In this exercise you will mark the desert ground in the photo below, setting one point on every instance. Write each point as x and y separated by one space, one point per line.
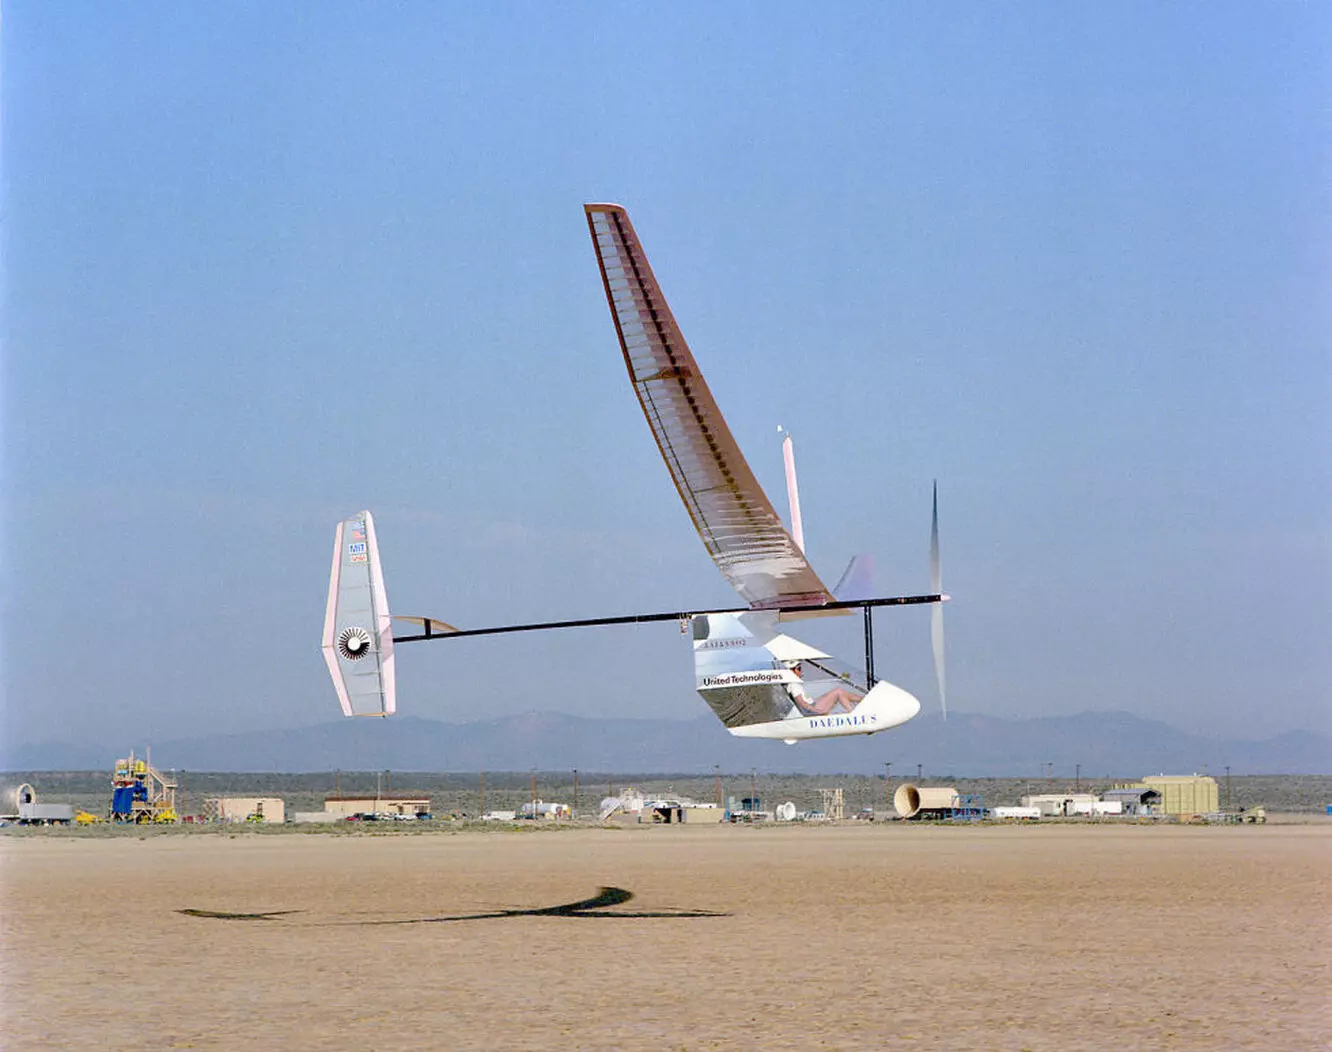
858 936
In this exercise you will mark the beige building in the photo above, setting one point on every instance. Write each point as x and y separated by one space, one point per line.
377 805
244 809
1185 794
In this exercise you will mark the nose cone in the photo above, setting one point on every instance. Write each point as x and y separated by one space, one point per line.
893 705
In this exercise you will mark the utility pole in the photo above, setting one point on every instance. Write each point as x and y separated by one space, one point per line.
575 806
919 776
1049 773
716 770
483 794
887 792
1077 777
534 797
753 792
1227 787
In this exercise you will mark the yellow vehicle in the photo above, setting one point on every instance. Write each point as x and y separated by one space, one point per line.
83 818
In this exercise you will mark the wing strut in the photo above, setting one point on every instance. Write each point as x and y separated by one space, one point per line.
869 646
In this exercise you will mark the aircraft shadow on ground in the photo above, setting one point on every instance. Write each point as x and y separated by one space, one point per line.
218 915
596 908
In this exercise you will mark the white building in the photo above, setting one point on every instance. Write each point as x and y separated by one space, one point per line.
542 809
1061 805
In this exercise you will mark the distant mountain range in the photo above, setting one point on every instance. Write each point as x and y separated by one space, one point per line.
1103 743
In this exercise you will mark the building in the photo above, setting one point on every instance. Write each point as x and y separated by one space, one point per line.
668 810
632 805
1185 794
542 809
1062 805
1134 799
267 809
346 806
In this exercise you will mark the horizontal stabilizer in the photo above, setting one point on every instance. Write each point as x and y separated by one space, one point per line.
358 629
428 625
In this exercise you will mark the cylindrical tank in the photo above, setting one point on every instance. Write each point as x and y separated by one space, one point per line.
910 800
15 796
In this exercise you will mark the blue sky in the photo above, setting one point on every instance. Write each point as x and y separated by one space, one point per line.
264 267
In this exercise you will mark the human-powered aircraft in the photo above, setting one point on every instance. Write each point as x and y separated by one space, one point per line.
760 681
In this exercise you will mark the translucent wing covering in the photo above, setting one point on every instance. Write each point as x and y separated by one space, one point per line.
750 674
358 630
733 516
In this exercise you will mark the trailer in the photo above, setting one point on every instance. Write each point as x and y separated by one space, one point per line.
36 814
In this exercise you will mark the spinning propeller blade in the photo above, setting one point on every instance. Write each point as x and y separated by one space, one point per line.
936 615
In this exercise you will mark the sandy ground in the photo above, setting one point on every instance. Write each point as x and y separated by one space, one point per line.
857 937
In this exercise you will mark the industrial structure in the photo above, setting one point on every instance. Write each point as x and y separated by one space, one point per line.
141 793
925 801
834 804
749 809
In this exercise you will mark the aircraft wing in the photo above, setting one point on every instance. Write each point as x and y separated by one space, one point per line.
741 531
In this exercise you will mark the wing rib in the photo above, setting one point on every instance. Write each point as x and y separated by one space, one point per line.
733 516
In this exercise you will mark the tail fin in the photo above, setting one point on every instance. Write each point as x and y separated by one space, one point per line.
358 631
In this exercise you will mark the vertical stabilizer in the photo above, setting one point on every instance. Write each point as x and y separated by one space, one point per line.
358 632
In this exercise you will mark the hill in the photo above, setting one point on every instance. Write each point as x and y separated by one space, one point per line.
1103 743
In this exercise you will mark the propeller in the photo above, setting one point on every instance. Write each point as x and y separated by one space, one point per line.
936 613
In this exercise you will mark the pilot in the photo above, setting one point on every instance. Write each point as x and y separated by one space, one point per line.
824 703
